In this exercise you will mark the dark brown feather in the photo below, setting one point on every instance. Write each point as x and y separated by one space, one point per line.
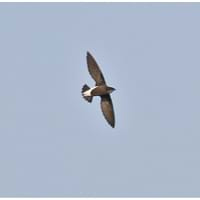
94 70
107 109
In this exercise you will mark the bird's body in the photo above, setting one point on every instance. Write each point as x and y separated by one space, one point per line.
98 91
101 89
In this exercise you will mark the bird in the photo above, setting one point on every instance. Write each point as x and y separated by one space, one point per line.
100 89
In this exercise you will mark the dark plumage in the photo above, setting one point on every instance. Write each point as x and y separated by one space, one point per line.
101 89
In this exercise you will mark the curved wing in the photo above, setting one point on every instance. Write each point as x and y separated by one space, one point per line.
107 109
94 70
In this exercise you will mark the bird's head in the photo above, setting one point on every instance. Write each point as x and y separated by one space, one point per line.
111 89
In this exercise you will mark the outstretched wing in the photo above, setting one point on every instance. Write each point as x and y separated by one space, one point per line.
107 109
94 70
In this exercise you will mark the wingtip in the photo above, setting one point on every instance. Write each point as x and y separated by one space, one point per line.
88 54
112 124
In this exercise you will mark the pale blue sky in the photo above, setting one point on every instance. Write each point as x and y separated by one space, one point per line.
53 143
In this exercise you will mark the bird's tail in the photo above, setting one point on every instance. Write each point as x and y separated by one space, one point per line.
84 89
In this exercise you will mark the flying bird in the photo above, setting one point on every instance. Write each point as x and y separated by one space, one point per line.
101 89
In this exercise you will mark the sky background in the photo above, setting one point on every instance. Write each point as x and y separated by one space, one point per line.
55 144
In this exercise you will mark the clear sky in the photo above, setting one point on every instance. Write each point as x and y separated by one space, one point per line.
54 143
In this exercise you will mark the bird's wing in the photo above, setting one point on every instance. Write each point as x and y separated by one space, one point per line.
107 109
94 70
